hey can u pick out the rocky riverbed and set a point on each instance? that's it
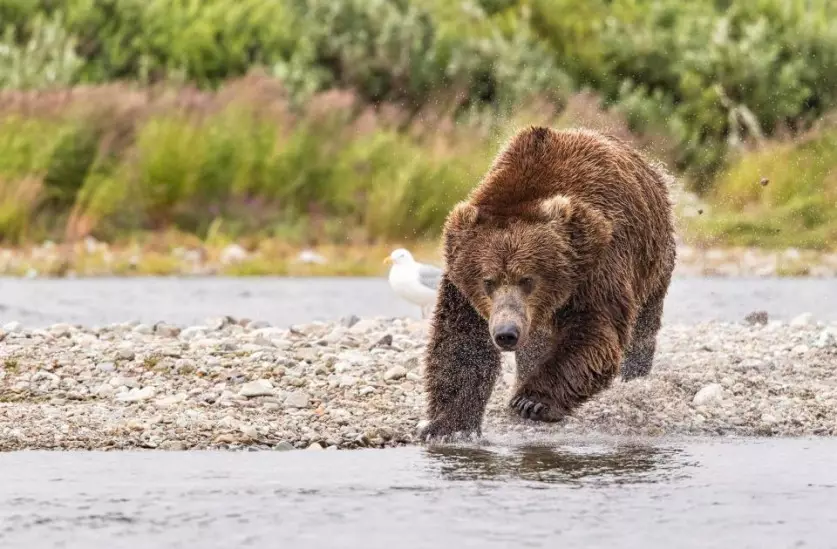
(358, 383)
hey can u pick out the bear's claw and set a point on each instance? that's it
(439, 432)
(529, 408)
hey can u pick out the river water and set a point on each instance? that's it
(586, 494)
(609, 493)
(285, 301)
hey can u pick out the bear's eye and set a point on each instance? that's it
(489, 285)
(527, 283)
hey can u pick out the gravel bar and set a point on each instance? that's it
(356, 383)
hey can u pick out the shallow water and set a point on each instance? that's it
(607, 493)
(285, 301)
(551, 493)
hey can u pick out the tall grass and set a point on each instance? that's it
(108, 161)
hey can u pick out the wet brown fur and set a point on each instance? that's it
(589, 219)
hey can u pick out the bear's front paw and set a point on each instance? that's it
(535, 408)
(440, 431)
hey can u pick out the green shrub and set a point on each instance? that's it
(46, 57)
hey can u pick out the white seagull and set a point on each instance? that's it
(413, 281)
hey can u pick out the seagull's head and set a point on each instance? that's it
(399, 257)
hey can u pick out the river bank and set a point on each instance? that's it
(358, 383)
(178, 257)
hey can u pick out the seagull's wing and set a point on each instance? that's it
(429, 276)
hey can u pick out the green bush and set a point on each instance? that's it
(45, 57)
(713, 72)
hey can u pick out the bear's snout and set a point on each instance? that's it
(506, 336)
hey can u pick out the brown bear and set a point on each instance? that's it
(562, 254)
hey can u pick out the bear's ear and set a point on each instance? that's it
(463, 216)
(587, 229)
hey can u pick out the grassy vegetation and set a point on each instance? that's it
(360, 122)
(240, 162)
(782, 195)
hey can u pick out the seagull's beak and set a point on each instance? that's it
(387, 260)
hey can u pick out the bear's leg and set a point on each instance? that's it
(539, 348)
(461, 367)
(640, 355)
(582, 363)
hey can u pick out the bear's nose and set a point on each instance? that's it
(506, 336)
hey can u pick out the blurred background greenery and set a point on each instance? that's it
(361, 122)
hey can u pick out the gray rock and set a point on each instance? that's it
(166, 331)
(284, 446)
(259, 387)
(258, 324)
(120, 381)
(250, 432)
(125, 352)
(711, 394)
(60, 330)
(756, 317)
(297, 399)
(385, 341)
(13, 327)
(136, 395)
(349, 321)
(827, 339)
(143, 329)
(395, 373)
(105, 366)
(169, 401)
(364, 326)
(192, 332)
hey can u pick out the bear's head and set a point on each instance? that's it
(518, 266)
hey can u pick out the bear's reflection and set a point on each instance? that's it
(613, 464)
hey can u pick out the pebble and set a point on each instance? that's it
(804, 319)
(347, 381)
(395, 373)
(192, 332)
(710, 394)
(143, 329)
(260, 387)
(136, 395)
(190, 391)
(12, 327)
(297, 399)
(169, 401)
(827, 339)
(250, 432)
(757, 317)
(60, 330)
(125, 352)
